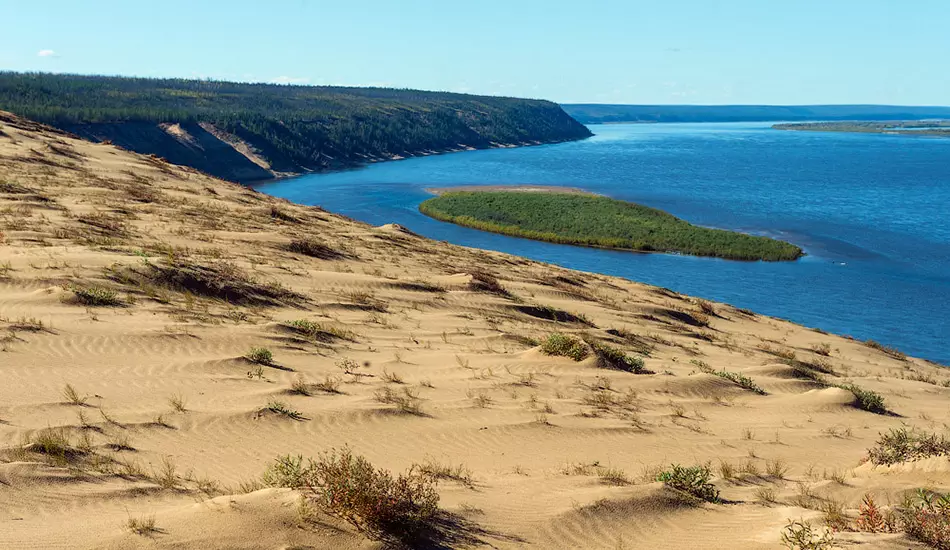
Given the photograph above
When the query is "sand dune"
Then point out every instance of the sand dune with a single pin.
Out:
(173, 421)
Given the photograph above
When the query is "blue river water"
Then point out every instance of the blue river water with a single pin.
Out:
(870, 210)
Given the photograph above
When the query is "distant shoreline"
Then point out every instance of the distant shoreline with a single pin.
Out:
(514, 188)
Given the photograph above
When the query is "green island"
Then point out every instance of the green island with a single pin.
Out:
(596, 221)
(940, 128)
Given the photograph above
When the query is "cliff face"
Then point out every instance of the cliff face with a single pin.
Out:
(249, 132)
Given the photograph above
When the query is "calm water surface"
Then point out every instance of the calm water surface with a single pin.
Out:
(870, 210)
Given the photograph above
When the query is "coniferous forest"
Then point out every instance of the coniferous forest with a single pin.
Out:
(293, 128)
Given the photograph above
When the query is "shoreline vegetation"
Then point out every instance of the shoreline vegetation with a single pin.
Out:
(575, 217)
(256, 132)
(938, 128)
(593, 113)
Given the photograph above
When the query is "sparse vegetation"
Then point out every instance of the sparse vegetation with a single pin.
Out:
(614, 358)
(887, 350)
(925, 516)
(736, 378)
(906, 445)
(281, 408)
(313, 247)
(73, 397)
(406, 401)
(801, 535)
(144, 525)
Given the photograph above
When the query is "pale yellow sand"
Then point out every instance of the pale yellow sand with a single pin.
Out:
(85, 214)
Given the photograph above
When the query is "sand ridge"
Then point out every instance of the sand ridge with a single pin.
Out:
(180, 420)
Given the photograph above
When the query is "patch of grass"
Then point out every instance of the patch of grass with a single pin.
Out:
(438, 471)
(73, 397)
(692, 480)
(385, 507)
(887, 350)
(313, 247)
(300, 387)
(736, 378)
(407, 401)
(776, 468)
(765, 495)
(483, 281)
(219, 280)
(281, 408)
(564, 345)
(330, 384)
(178, 403)
(866, 399)
(823, 348)
(320, 332)
(613, 476)
(609, 357)
(906, 445)
(96, 296)
(801, 535)
(261, 356)
(144, 525)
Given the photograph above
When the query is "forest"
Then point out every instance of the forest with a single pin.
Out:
(295, 128)
(593, 113)
(589, 220)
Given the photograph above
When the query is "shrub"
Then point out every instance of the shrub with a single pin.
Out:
(800, 535)
(407, 401)
(823, 348)
(313, 248)
(887, 350)
(262, 356)
(564, 345)
(144, 525)
(692, 480)
(383, 506)
(926, 517)
(866, 399)
(614, 358)
(281, 408)
(740, 380)
(96, 296)
(905, 445)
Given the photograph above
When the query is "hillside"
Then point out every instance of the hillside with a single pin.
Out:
(248, 132)
(166, 335)
(602, 113)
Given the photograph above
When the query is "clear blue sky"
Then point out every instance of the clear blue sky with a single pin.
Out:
(599, 51)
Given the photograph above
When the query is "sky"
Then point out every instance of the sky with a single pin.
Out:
(592, 51)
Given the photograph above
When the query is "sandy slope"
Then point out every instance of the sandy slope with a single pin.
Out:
(82, 214)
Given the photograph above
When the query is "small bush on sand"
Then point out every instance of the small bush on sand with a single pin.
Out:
(385, 507)
(143, 526)
(261, 356)
(887, 350)
(96, 296)
(866, 399)
(740, 380)
(564, 345)
(925, 516)
(800, 535)
(692, 480)
(314, 248)
(610, 357)
(906, 445)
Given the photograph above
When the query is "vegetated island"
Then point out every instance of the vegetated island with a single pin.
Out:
(596, 221)
(250, 132)
(940, 128)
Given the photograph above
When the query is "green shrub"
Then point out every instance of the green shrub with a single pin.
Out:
(395, 508)
(740, 380)
(925, 516)
(615, 358)
(800, 535)
(905, 445)
(564, 345)
(866, 399)
(96, 296)
(692, 480)
(262, 356)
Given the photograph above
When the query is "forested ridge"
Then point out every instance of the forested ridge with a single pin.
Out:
(587, 220)
(294, 128)
(593, 113)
